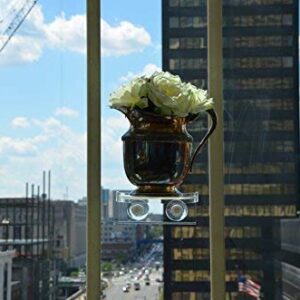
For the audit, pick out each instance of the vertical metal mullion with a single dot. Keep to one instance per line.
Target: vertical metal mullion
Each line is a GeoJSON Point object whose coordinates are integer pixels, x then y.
{"type": "Point", "coordinates": [216, 159]}
{"type": "Point", "coordinates": [93, 151]}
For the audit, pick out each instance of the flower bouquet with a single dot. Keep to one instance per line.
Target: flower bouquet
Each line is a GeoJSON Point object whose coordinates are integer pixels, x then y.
{"type": "Point", "coordinates": [157, 147]}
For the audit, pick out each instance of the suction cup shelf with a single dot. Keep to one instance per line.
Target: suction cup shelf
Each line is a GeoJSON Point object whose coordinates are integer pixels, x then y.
{"type": "Point", "coordinates": [155, 209]}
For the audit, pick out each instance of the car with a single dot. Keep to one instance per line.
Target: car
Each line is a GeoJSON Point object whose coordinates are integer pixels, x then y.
{"type": "Point", "coordinates": [159, 280]}
{"type": "Point", "coordinates": [128, 284]}
{"type": "Point", "coordinates": [137, 286]}
{"type": "Point", "coordinates": [147, 282]}
{"type": "Point", "coordinates": [125, 289]}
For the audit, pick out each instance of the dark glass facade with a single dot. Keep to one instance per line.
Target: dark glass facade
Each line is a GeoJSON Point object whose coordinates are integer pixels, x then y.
{"type": "Point", "coordinates": [288, 259]}
{"type": "Point", "coordinates": [261, 128]}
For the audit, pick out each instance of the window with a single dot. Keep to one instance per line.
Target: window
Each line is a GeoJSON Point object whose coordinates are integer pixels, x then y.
{"type": "Point", "coordinates": [252, 210]}
{"type": "Point", "coordinates": [173, 22]}
{"type": "Point", "coordinates": [187, 63]}
{"type": "Point", "coordinates": [187, 43]}
{"type": "Point", "coordinates": [190, 275]}
{"type": "Point", "coordinates": [187, 22]}
{"type": "Point", "coordinates": [287, 61]}
{"type": "Point", "coordinates": [259, 83]}
{"type": "Point", "coordinates": [173, 3]}
{"type": "Point", "coordinates": [238, 254]}
{"type": "Point", "coordinates": [174, 64]}
{"type": "Point", "coordinates": [255, 62]}
{"type": "Point", "coordinates": [256, 2]}
{"type": "Point", "coordinates": [242, 232]}
{"type": "Point", "coordinates": [258, 211]}
{"type": "Point", "coordinates": [268, 147]}
{"type": "Point", "coordinates": [287, 20]}
{"type": "Point", "coordinates": [258, 20]}
{"type": "Point", "coordinates": [265, 104]}
{"type": "Point", "coordinates": [192, 43]}
{"type": "Point", "coordinates": [174, 43]}
{"type": "Point", "coordinates": [191, 3]}
{"type": "Point", "coordinates": [261, 168]}
{"type": "Point", "coordinates": [188, 232]}
{"type": "Point", "coordinates": [279, 125]}
{"type": "Point", "coordinates": [203, 275]}
{"type": "Point", "coordinates": [258, 41]}
{"type": "Point", "coordinates": [186, 3]}
{"type": "Point", "coordinates": [17, 232]}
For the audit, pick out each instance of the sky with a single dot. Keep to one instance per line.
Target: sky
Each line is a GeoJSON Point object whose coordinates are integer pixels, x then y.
{"type": "Point", "coordinates": [43, 91]}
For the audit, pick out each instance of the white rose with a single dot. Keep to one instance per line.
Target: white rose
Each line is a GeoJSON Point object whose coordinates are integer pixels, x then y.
{"type": "Point", "coordinates": [168, 94]}
{"type": "Point", "coordinates": [198, 99]}
{"type": "Point", "coordinates": [130, 95]}
{"type": "Point", "coordinates": [163, 90]}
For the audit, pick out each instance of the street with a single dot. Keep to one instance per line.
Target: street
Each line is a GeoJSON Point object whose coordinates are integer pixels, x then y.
{"type": "Point", "coordinates": [150, 292]}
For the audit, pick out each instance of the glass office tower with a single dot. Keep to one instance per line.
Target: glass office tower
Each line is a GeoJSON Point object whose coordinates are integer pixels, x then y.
{"type": "Point", "coordinates": [260, 49]}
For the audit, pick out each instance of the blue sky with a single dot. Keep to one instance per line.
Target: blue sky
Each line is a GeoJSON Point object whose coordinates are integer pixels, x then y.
{"type": "Point", "coordinates": [43, 91]}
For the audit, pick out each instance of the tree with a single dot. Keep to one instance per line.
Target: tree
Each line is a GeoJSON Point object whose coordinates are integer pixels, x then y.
{"type": "Point", "coordinates": [155, 232]}
{"type": "Point", "coordinates": [106, 266]}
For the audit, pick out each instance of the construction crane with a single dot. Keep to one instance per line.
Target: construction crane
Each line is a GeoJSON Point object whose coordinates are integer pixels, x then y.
{"type": "Point", "coordinates": [16, 13]}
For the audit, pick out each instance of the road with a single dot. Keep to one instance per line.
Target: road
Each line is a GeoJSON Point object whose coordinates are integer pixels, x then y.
{"type": "Point", "coordinates": [150, 292]}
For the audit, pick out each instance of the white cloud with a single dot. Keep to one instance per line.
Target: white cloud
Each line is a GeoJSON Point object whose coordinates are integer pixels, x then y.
{"type": "Point", "coordinates": [111, 181]}
{"type": "Point", "coordinates": [112, 130]}
{"type": "Point", "coordinates": [112, 153]}
{"type": "Point", "coordinates": [148, 70]}
{"type": "Point", "coordinates": [57, 147]}
{"type": "Point", "coordinates": [69, 34]}
{"type": "Point", "coordinates": [20, 122]}
{"type": "Point", "coordinates": [26, 46]}
{"type": "Point", "coordinates": [21, 49]}
{"type": "Point", "coordinates": [123, 39]}
{"type": "Point", "coordinates": [66, 111]}
{"type": "Point", "coordinates": [10, 146]}
{"type": "Point", "coordinates": [54, 147]}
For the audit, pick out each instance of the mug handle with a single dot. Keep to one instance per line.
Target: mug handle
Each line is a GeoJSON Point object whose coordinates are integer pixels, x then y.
{"type": "Point", "coordinates": [212, 128]}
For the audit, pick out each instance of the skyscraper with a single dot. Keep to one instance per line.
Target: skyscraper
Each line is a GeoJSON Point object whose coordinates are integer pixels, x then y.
{"type": "Point", "coordinates": [260, 49]}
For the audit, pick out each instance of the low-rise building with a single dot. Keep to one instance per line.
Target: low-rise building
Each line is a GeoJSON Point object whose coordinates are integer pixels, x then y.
{"type": "Point", "coordinates": [118, 241]}
{"type": "Point", "coordinates": [70, 233]}
{"type": "Point", "coordinates": [26, 227]}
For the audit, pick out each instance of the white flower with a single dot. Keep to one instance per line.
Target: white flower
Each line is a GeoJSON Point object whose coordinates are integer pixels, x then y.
{"type": "Point", "coordinates": [167, 93]}
{"type": "Point", "coordinates": [163, 90]}
{"type": "Point", "coordinates": [198, 99]}
{"type": "Point", "coordinates": [172, 96]}
{"type": "Point", "coordinates": [130, 95]}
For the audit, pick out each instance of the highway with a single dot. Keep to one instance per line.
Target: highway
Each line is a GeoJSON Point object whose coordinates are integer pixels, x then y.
{"type": "Point", "coordinates": [150, 292]}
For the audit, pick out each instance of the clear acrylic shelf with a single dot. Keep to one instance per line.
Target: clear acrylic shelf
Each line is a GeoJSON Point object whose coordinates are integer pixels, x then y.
{"type": "Point", "coordinates": [154, 209]}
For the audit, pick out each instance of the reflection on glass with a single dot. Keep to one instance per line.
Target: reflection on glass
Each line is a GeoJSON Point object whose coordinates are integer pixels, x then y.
{"type": "Point", "coordinates": [259, 20]}
{"type": "Point", "coordinates": [256, 2]}
{"type": "Point", "coordinates": [260, 136]}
